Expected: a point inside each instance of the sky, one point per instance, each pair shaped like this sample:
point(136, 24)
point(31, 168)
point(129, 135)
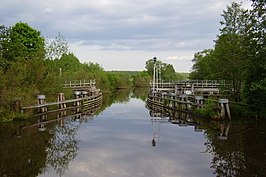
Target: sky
point(124, 34)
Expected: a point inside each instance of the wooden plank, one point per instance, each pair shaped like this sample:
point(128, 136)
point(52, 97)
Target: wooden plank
point(51, 104)
point(60, 102)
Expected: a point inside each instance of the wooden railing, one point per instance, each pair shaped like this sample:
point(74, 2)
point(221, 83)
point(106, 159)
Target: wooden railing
point(79, 83)
point(86, 102)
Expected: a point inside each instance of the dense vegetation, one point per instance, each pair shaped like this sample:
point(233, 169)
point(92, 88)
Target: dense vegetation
point(31, 65)
point(239, 54)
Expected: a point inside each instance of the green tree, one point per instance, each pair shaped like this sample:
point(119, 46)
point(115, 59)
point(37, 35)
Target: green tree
point(202, 67)
point(235, 20)
point(149, 65)
point(142, 79)
point(255, 82)
point(23, 42)
point(167, 71)
point(230, 61)
point(68, 63)
point(55, 48)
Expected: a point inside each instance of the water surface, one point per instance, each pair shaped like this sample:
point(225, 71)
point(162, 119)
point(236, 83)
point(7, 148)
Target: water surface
point(118, 142)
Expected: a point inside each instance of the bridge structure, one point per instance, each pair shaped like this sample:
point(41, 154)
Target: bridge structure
point(186, 95)
point(81, 85)
point(190, 87)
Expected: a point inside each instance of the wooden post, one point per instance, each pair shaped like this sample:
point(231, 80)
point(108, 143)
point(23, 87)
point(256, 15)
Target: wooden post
point(183, 98)
point(60, 115)
point(17, 105)
point(199, 101)
point(41, 100)
point(77, 95)
point(224, 104)
point(84, 94)
point(42, 126)
point(192, 88)
point(61, 97)
point(224, 126)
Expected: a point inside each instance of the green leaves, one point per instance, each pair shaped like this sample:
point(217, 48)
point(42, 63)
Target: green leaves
point(239, 53)
point(167, 70)
point(22, 41)
point(56, 48)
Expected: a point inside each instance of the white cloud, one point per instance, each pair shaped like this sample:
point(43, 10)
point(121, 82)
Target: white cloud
point(177, 58)
point(123, 25)
point(46, 10)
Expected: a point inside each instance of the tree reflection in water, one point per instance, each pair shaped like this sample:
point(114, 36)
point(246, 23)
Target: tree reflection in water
point(63, 146)
point(237, 146)
point(242, 152)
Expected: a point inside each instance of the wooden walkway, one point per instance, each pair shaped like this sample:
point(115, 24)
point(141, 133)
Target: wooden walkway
point(86, 96)
point(191, 86)
point(89, 101)
point(81, 85)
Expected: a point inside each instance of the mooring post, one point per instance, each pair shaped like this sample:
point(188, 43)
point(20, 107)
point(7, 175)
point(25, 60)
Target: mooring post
point(41, 100)
point(192, 88)
point(172, 98)
point(224, 126)
point(60, 115)
point(199, 101)
point(42, 125)
point(224, 104)
point(84, 94)
point(77, 96)
point(17, 105)
point(61, 97)
point(183, 98)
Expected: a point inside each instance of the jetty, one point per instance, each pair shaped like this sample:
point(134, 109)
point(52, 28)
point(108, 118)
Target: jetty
point(187, 95)
point(86, 97)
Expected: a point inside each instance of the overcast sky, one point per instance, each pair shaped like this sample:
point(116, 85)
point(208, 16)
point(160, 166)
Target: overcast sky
point(124, 34)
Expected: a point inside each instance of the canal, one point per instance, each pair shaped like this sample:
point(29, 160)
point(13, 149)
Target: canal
point(125, 139)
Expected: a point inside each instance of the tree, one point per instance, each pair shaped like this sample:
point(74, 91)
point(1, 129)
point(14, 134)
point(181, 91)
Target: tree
point(150, 65)
point(4, 35)
point(255, 82)
point(235, 19)
point(68, 63)
point(230, 61)
point(202, 67)
point(23, 42)
point(167, 70)
point(142, 79)
point(56, 48)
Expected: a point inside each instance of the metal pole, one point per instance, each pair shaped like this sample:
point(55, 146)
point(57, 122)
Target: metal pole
point(154, 67)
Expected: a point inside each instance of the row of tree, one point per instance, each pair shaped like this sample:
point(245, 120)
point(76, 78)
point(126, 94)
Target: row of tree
point(32, 65)
point(239, 54)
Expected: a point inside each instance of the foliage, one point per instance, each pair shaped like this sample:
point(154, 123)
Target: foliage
point(55, 48)
point(166, 71)
point(202, 67)
point(235, 19)
point(210, 109)
point(255, 82)
point(22, 41)
point(239, 54)
point(142, 79)
point(25, 71)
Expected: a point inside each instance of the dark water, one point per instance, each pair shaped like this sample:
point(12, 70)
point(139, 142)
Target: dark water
point(118, 142)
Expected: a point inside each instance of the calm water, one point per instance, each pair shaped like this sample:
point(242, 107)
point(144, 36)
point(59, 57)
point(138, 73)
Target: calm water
point(118, 142)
